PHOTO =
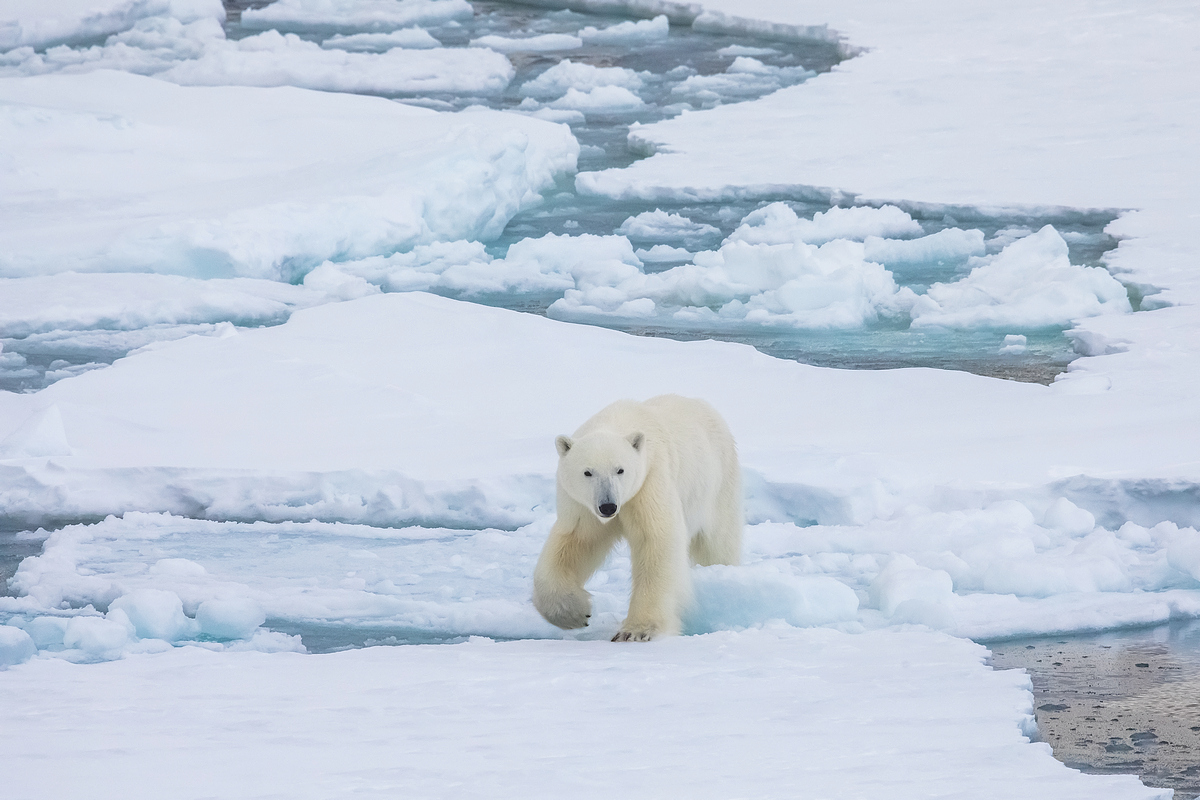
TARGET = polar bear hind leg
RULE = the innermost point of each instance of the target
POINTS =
(720, 540)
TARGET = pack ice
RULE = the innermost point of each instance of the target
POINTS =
(143, 170)
(374, 464)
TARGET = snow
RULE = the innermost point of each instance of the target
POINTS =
(767, 274)
(628, 34)
(379, 465)
(415, 38)
(546, 43)
(600, 100)
(463, 720)
(154, 614)
(746, 77)
(364, 16)
(777, 223)
(948, 244)
(39, 436)
(16, 646)
(658, 225)
(229, 181)
(1030, 284)
(274, 59)
(39, 25)
(198, 54)
(229, 618)
(900, 517)
(133, 301)
(569, 75)
(661, 253)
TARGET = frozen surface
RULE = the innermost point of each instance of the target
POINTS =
(1030, 284)
(124, 156)
(766, 274)
(469, 720)
(130, 301)
(343, 16)
(855, 521)
(199, 54)
(378, 468)
(547, 42)
(415, 38)
(38, 25)
(274, 59)
(568, 75)
(630, 33)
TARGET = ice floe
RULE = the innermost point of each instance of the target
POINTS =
(230, 181)
(42, 25)
(1030, 284)
(630, 33)
(413, 38)
(362, 16)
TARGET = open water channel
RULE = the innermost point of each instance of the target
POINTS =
(1125, 701)
(688, 70)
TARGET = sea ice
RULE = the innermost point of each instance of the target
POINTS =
(1030, 284)
(412, 38)
(786, 285)
(16, 646)
(44, 24)
(132, 301)
(781, 712)
(600, 100)
(156, 614)
(662, 253)
(745, 78)
(342, 16)
(237, 181)
(949, 245)
(661, 226)
(545, 43)
(274, 59)
(40, 436)
(729, 598)
(197, 53)
(101, 638)
(630, 33)
(777, 223)
(1014, 343)
(235, 618)
(569, 75)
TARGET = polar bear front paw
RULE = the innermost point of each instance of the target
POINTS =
(565, 610)
(635, 634)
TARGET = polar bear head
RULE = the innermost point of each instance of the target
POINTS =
(602, 471)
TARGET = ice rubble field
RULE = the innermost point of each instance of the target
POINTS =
(380, 462)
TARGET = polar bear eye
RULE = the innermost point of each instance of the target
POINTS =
(587, 473)
(620, 470)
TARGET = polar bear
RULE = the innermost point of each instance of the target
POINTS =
(664, 475)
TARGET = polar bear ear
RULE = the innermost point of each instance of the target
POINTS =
(563, 444)
(636, 439)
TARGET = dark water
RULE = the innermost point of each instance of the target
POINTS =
(15, 546)
(1119, 702)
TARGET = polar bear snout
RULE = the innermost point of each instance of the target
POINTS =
(607, 509)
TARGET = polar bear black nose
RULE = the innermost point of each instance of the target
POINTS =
(608, 509)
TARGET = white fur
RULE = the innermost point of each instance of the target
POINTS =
(664, 475)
